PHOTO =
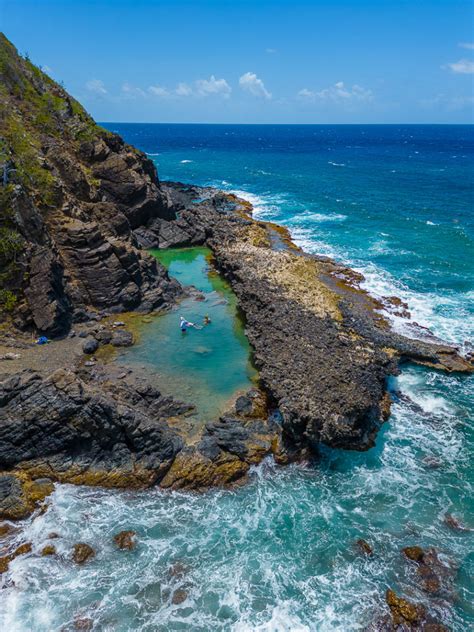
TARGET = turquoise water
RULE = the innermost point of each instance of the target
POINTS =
(206, 366)
(278, 554)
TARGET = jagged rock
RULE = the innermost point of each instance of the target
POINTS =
(95, 432)
(403, 611)
(77, 214)
(90, 345)
(82, 553)
(433, 573)
(19, 494)
(21, 550)
(453, 523)
(125, 539)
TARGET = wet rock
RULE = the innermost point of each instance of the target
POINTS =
(5, 529)
(404, 612)
(49, 549)
(53, 535)
(104, 336)
(21, 550)
(179, 596)
(364, 547)
(122, 338)
(178, 570)
(82, 553)
(433, 573)
(19, 495)
(125, 540)
(83, 624)
(453, 523)
(414, 553)
(90, 346)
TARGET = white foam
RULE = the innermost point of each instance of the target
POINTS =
(185, 162)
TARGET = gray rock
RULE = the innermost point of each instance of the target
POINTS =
(90, 345)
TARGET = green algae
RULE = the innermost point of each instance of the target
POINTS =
(208, 366)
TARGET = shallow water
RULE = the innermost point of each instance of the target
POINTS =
(277, 554)
(206, 366)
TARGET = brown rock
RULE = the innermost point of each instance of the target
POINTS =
(403, 611)
(21, 550)
(5, 529)
(125, 540)
(365, 547)
(414, 553)
(49, 549)
(179, 596)
(82, 553)
(83, 624)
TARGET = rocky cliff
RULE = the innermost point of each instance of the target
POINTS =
(71, 194)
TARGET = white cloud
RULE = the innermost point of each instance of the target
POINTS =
(183, 90)
(96, 86)
(252, 84)
(158, 91)
(306, 94)
(468, 45)
(211, 86)
(463, 67)
(338, 93)
(131, 91)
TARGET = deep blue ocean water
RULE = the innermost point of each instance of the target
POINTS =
(396, 203)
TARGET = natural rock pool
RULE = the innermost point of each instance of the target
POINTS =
(207, 366)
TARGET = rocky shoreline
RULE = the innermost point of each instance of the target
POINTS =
(321, 346)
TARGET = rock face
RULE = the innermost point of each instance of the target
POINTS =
(88, 430)
(74, 194)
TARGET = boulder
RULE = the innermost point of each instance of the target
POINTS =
(90, 345)
(125, 540)
(82, 553)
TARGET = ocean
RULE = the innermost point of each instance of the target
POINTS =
(395, 203)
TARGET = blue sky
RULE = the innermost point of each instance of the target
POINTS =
(241, 61)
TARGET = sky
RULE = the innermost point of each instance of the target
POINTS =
(259, 61)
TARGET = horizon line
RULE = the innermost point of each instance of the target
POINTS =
(250, 124)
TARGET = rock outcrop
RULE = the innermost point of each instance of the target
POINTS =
(71, 195)
(322, 348)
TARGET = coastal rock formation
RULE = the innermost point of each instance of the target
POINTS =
(78, 206)
(71, 195)
(322, 348)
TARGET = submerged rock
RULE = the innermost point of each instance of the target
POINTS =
(82, 552)
(364, 547)
(179, 596)
(125, 540)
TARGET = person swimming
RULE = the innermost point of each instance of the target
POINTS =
(207, 320)
(184, 324)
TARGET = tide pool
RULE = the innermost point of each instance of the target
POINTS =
(207, 366)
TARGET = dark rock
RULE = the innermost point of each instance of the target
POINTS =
(99, 432)
(122, 338)
(90, 346)
(82, 553)
(83, 624)
(414, 553)
(125, 540)
(454, 523)
(364, 547)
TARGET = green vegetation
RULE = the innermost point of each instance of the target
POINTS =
(8, 300)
